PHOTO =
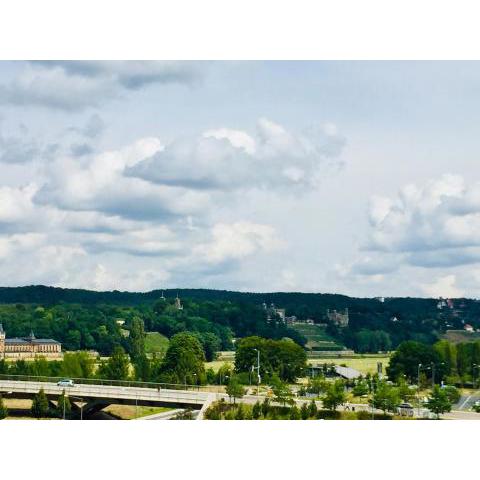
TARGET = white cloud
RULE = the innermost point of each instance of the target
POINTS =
(237, 138)
(99, 185)
(112, 279)
(443, 287)
(435, 224)
(226, 159)
(238, 240)
(75, 85)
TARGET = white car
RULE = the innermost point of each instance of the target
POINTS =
(66, 383)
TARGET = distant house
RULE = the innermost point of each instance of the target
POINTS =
(340, 319)
(468, 328)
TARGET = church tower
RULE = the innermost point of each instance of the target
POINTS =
(178, 303)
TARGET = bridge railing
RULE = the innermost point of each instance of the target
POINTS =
(105, 382)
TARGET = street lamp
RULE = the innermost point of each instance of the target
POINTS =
(258, 370)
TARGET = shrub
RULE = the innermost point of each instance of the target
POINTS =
(257, 410)
(240, 412)
(364, 415)
(329, 415)
(295, 413)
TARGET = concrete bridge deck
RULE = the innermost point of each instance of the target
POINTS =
(105, 394)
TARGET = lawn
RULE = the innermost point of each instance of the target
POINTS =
(362, 363)
(129, 412)
(216, 364)
(156, 343)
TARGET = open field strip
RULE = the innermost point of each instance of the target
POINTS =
(362, 363)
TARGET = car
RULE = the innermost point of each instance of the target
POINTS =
(66, 382)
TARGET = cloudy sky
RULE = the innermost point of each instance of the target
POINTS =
(351, 177)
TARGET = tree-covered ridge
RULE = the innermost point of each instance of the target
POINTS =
(88, 320)
(103, 327)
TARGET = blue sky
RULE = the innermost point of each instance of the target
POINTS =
(350, 177)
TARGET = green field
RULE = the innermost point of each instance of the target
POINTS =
(156, 343)
(130, 412)
(362, 363)
(317, 337)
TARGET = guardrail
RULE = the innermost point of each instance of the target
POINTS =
(104, 382)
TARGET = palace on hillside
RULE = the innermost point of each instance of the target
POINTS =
(28, 347)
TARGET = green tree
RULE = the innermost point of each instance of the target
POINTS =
(408, 356)
(235, 389)
(256, 410)
(453, 393)
(360, 388)
(240, 413)
(136, 339)
(438, 402)
(64, 406)
(3, 409)
(335, 395)
(265, 407)
(184, 360)
(77, 365)
(40, 406)
(281, 391)
(295, 413)
(142, 367)
(386, 398)
(284, 358)
(312, 409)
(304, 413)
(117, 367)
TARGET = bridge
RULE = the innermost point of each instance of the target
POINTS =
(89, 398)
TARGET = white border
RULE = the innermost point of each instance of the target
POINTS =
(248, 29)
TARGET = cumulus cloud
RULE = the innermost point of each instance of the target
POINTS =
(21, 148)
(131, 74)
(238, 240)
(225, 159)
(75, 85)
(99, 185)
(138, 216)
(443, 287)
(437, 224)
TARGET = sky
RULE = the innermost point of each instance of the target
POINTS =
(358, 178)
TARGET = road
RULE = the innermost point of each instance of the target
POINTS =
(467, 401)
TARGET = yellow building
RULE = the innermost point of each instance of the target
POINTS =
(28, 347)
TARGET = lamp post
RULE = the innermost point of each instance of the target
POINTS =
(258, 370)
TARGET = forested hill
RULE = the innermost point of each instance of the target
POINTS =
(373, 325)
(40, 294)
